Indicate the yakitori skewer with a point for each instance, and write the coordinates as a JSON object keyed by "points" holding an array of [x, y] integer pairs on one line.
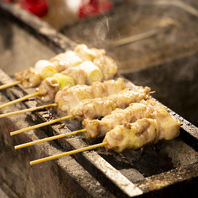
{"points": [[99, 107], [33, 76], [71, 96], [99, 128], [27, 110], [130, 136], [47, 90], [85, 73]]}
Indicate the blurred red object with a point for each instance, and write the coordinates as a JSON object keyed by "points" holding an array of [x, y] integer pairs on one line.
{"points": [[37, 7], [93, 7]]}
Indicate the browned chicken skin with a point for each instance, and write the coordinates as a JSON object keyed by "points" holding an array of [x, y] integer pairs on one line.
{"points": [[100, 107], [145, 109], [29, 78], [107, 65], [86, 53], [133, 135], [70, 97], [98, 128], [48, 89]]}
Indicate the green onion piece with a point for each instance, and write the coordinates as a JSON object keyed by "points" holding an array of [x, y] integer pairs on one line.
{"points": [[64, 80]]}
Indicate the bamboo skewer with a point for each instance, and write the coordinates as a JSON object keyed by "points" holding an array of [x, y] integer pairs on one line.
{"points": [[152, 92], [67, 153], [27, 110], [40, 125], [49, 139], [9, 85], [19, 100], [54, 137]]}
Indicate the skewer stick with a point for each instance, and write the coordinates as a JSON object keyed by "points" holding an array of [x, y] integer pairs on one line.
{"points": [[40, 125], [49, 139], [67, 153], [9, 85], [19, 100], [152, 92], [27, 110]]}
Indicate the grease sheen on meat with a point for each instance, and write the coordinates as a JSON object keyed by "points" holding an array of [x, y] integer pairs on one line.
{"points": [[70, 97], [48, 89], [133, 135], [98, 128], [29, 78], [143, 131], [100, 107], [86, 53], [107, 65], [144, 109]]}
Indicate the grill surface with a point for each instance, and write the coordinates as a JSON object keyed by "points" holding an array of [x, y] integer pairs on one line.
{"points": [[161, 170]]}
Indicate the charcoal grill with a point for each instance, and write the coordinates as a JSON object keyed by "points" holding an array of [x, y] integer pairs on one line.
{"points": [[161, 170]]}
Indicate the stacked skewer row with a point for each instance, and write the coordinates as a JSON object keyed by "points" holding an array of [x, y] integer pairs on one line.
{"points": [[83, 85]]}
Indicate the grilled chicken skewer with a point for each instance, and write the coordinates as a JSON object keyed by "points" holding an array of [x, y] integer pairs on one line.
{"points": [[84, 73], [129, 136], [70, 96], [93, 108], [100, 107], [33, 76], [141, 132], [99, 128]]}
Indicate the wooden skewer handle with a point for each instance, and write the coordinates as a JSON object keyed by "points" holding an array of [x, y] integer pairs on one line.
{"points": [[67, 153], [9, 85], [27, 110], [49, 139], [41, 125], [19, 100]]}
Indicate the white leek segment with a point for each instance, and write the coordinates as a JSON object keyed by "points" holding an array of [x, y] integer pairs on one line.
{"points": [[64, 80], [93, 72], [72, 58], [45, 68]]}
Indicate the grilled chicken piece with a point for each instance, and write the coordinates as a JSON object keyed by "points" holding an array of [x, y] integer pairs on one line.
{"points": [[100, 107], [78, 74], [132, 135], [88, 54], [65, 60], [107, 65], [142, 132], [70, 97], [60, 62], [29, 78], [48, 89], [144, 109], [98, 128], [85, 73]]}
